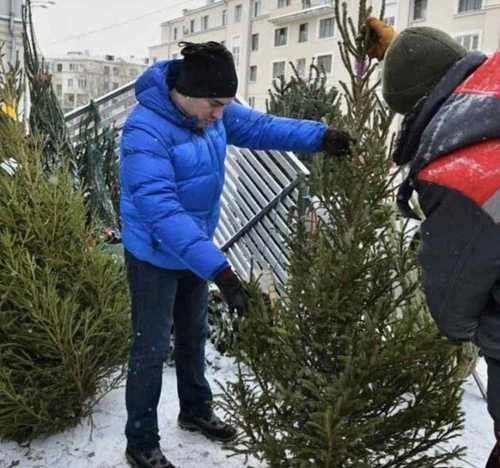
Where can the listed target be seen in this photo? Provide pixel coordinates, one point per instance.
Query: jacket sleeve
(148, 176)
(248, 128)
(460, 258)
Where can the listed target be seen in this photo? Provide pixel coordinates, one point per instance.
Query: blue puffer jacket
(172, 174)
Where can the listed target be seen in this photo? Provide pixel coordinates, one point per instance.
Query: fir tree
(348, 368)
(91, 156)
(303, 97)
(63, 300)
(97, 164)
(46, 117)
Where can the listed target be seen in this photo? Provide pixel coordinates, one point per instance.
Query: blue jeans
(162, 298)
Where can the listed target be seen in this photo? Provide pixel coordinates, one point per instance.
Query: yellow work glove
(380, 37)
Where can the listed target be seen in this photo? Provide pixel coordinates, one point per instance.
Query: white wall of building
(474, 22)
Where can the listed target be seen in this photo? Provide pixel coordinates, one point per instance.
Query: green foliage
(97, 164)
(348, 369)
(222, 325)
(303, 97)
(63, 300)
(92, 161)
(46, 117)
(308, 98)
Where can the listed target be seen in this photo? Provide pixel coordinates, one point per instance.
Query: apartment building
(474, 23)
(266, 35)
(79, 77)
(11, 30)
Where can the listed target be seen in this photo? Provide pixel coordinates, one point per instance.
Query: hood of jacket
(152, 90)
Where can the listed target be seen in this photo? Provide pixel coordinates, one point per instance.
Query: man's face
(206, 110)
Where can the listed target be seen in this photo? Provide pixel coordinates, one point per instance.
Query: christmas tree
(91, 156)
(46, 118)
(303, 97)
(97, 163)
(63, 300)
(347, 369)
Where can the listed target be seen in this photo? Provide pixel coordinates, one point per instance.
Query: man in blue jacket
(172, 176)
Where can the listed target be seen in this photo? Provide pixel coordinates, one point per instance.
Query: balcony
(310, 9)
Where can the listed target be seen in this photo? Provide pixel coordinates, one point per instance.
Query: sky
(118, 27)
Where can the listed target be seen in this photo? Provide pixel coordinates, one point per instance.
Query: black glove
(232, 291)
(337, 143)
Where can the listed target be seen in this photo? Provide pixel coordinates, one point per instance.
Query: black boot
(494, 460)
(209, 425)
(153, 458)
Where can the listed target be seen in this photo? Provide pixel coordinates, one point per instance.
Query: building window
(251, 101)
(390, 13)
(204, 23)
(224, 17)
(59, 67)
(191, 26)
(469, 5)
(236, 50)
(300, 66)
(116, 71)
(238, 11)
(82, 99)
(468, 41)
(175, 34)
(419, 9)
(106, 70)
(58, 89)
(116, 85)
(70, 83)
(326, 28)
(256, 8)
(390, 20)
(283, 3)
(82, 83)
(306, 4)
(280, 37)
(324, 63)
(73, 67)
(106, 87)
(278, 70)
(253, 73)
(254, 43)
(303, 31)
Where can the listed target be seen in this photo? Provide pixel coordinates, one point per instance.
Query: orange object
(381, 36)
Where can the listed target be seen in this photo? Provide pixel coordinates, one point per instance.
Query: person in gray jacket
(450, 140)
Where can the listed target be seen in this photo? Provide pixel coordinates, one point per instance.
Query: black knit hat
(207, 71)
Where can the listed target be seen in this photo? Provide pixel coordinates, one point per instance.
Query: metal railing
(260, 190)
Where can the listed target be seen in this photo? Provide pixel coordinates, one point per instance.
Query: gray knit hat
(414, 63)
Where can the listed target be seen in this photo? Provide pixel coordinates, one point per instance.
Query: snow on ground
(103, 447)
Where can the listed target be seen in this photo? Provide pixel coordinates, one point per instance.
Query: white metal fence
(260, 191)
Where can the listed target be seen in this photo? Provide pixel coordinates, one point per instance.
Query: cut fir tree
(348, 369)
(63, 300)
